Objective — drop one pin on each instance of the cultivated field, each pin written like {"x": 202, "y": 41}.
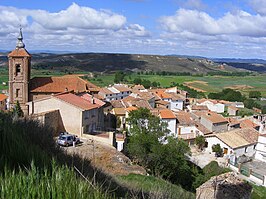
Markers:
{"x": 205, "y": 84}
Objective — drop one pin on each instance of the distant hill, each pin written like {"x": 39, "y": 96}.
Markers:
{"x": 104, "y": 62}
{"x": 258, "y": 65}
{"x": 108, "y": 62}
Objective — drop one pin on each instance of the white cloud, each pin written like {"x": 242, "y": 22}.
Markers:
{"x": 259, "y": 6}
{"x": 81, "y": 27}
{"x": 240, "y": 23}
{"x": 192, "y": 4}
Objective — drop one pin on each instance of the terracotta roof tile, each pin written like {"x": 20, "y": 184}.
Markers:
{"x": 76, "y": 101}
{"x": 199, "y": 107}
{"x": 119, "y": 111}
{"x": 248, "y": 124}
{"x": 214, "y": 117}
{"x": 242, "y": 137}
{"x": 60, "y": 84}
{"x": 89, "y": 97}
{"x": 3, "y": 97}
{"x": 167, "y": 114}
{"x": 20, "y": 52}
{"x": 184, "y": 118}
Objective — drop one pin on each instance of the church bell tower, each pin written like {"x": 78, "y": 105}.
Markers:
{"x": 19, "y": 63}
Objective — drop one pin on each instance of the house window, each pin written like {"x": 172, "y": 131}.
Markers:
{"x": 18, "y": 69}
{"x": 255, "y": 146}
{"x": 246, "y": 149}
{"x": 17, "y": 92}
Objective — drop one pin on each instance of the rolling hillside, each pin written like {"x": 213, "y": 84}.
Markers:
{"x": 103, "y": 62}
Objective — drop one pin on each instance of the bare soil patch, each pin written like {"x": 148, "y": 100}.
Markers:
{"x": 106, "y": 158}
{"x": 240, "y": 87}
{"x": 190, "y": 85}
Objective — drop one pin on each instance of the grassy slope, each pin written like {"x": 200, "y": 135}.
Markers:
{"x": 155, "y": 186}
{"x": 32, "y": 166}
{"x": 258, "y": 192}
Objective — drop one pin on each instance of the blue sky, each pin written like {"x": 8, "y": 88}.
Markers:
{"x": 217, "y": 28}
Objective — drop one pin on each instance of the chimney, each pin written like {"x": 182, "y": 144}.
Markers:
{"x": 66, "y": 89}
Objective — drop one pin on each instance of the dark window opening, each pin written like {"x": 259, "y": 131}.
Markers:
{"x": 17, "y": 92}
{"x": 18, "y": 68}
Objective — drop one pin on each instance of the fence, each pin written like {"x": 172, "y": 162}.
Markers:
{"x": 253, "y": 176}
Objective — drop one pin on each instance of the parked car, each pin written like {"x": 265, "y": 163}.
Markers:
{"x": 67, "y": 139}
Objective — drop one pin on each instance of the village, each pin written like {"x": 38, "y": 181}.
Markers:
{"x": 72, "y": 104}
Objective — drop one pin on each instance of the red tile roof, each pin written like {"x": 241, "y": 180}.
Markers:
{"x": 76, "y": 101}
{"x": 214, "y": 117}
{"x": 248, "y": 124}
{"x": 184, "y": 118}
{"x": 20, "y": 52}
{"x": 3, "y": 97}
{"x": 167, "y": 114}
{"x": 89, "y": 97}
{"x": 60, "y": 84}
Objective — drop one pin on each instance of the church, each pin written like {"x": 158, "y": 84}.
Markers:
{"x": 24, "y": 89}
{"x": 64, "y": 103}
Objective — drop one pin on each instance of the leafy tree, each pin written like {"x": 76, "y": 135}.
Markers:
{"x": 254, "y": 94}
{"x": 137, "y": 80}
{"x": 118, "y": 122}
{"x": 200, "y": 142}
{"x": 119, "y": 76}
{"x": 263, "y": 109}
{"x": 217, "y": 149}
{"x": 249, "y": 103}
{"x": 227, "y": 94}
{"x": 17, "y": 111}
{"x": 210, "y": 170}
{"x": 150, "y": 146}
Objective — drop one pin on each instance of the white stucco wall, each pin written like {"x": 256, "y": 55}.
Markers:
{"x": 214, "y": 140}
{"x": 247, "y": 150}
{"x": 261, "y": 149}
{"x": 179, "y": 104}
{"x": 70, "y": 115}
{"x": 171, "y": 125}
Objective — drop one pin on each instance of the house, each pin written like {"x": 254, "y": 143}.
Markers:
{"x": 192, "y": 108}
{"x": 232, "y": 110}
{"x": 247, "y": 123}
{"x": 176, "y": 100}
{"x": 261, "y": 148}
{"x": 169, "y": 117}
{"x": 3, "y": 101}
{"x": 41, "y": 87}
{"x": 115, "y": 92}
{"x": 235, "y": 142}
{"x": 186, "y": 126}
{"x": 238, "y": 104}
{"x": 214, "y": 122}
{"x": 120, "y": 114}
{"x": 145, "y": 95}
{"x": 213, "y": 105}
{"x": 76, "y": 114}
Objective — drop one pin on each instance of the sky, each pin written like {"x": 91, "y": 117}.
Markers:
{"x": 210, "y": 28}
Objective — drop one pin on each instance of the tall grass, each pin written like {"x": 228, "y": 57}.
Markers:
{"x": 60, "y": 183}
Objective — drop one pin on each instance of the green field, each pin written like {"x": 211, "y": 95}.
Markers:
{"x": 208, "y": 84}
{"x": 213, "y": 83}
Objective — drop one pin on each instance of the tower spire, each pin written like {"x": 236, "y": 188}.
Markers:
{"x": 20, "y": 43}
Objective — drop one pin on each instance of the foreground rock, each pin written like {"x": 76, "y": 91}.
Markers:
{"x": 227, "y": 186}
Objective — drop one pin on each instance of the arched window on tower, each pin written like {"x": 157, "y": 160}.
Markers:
{"x": 18, "y": 69}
